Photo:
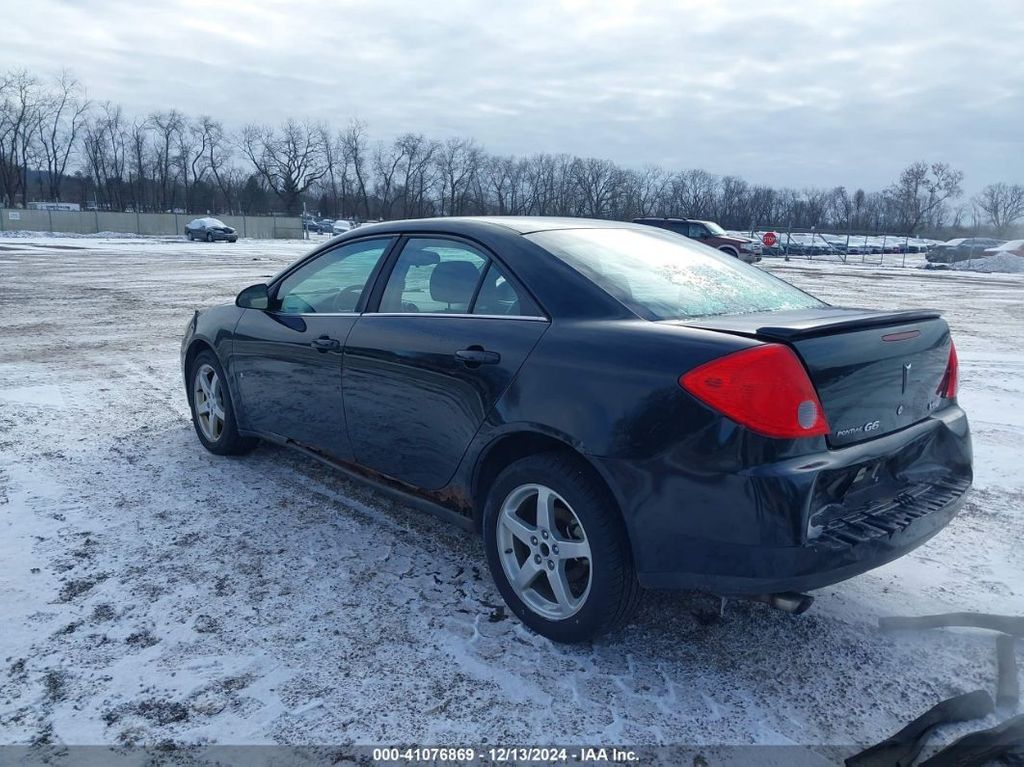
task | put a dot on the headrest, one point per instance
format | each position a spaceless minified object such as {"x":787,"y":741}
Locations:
{"x":452,"y":282}
{"x":420,"y":257}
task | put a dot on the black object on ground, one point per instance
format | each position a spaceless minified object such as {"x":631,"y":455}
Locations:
{"x":1008,"y":685}
{"x":978,"y":748}
{"x":1007,"y":624}
{"x":901,"y":749}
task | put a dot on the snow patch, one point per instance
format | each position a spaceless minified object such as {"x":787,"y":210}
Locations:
{"x":46,"y":395}
{"x":1001,"y":262}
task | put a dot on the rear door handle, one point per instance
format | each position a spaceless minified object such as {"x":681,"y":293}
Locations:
{"x":475,"y":356}
{"x":325,"y":344}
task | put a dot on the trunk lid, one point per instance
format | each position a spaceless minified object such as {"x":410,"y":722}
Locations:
{"x":875,"y":372}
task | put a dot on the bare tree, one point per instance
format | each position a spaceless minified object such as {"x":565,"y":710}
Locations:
{"x":645,"y":191}
{"x":1002,"y":204}
{"x":499,"y":175}
{"x":336,"y":177}
{"x":167,"y":126}
{"x":290,"y":160}
{"x":416,"y":165}
{"x":386,"y":163}
{"x":63,"y":112}
{"x":218,"y":160}
{"x":139,"y":162}
{"x":598,"y":184}
{"x":922,"y":190}
{"x":457,"y":162}
{"x":105,"y":143}
{"x":354,"y":146}
{"x":21,"y":112}
{"x":191,"y":158}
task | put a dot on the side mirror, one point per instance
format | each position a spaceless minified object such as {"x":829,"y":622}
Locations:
{"x":254,"y":297}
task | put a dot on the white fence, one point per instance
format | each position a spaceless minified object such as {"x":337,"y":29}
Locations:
{"x":95,"y":221}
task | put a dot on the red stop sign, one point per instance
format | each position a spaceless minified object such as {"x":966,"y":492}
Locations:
{"x":769,"y":238}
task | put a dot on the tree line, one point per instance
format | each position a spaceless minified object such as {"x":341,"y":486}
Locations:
{"x":58,"y":145}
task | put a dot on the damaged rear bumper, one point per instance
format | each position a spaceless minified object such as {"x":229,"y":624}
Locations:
{"x":846,"y":511}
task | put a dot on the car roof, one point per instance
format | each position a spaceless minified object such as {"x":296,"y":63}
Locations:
{"x":668,"y":218}
{"x":517,"y":224}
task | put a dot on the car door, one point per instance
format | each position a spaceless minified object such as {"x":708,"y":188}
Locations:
{"x":287,"y":360}
{"x":420,"y":374}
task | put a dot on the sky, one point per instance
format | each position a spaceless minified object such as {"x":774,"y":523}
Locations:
{"x":816,"y":93}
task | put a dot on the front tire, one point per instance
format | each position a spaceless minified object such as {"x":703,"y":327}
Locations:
{"x":558,"y":550}
{"x":213,"y":414}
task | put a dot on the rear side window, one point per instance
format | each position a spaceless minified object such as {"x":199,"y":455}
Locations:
{"x":434,"y":276}
{"x":441,"y":276}
{"x":498,"y":297}
{"x":661,"y":277}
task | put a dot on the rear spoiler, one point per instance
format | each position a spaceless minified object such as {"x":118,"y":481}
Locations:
{"x":840,"y":325}
{"x":795,"y":325}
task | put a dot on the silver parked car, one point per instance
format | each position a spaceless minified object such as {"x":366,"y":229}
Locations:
{"x":209,"y":229}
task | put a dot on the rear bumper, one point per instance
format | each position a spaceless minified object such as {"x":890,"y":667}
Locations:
{"x":803,"y":523}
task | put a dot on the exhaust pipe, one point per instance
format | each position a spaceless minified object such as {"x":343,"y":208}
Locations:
{"x":790,"y":602}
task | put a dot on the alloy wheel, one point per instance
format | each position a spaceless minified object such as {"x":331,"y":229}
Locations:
{"x":208,"y":402}
{"x":544,"y":551}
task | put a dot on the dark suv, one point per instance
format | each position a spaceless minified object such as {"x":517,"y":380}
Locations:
{"x":709,"y":233}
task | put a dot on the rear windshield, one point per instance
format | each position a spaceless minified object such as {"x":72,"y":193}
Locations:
{"x":661,"y":276}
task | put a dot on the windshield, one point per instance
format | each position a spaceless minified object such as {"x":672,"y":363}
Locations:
{"x":663,"y":277}
{"x":714,"y":228}
{"x":214,"y":222}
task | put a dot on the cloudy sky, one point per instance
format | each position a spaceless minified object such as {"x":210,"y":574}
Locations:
{"x":821,"y":92}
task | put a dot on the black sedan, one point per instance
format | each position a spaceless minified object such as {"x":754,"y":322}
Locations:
{"x":209,"y":229}
{"x":961,"y":249}
{"x":611,"y":406}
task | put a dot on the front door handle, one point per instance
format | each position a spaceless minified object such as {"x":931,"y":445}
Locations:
{"x":325,"y":344}
{"x":475,"y":356}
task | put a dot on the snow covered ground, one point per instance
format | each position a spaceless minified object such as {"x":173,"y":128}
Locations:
{"x":151,"y":592}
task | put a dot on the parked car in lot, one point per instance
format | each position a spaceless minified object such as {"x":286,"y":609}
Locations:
{"x":1014,"y":247}
{"x":708,"y":233}
{"x":960,"y":249}
{"x":317,"y":226}
{"x":209,"y":229}
{"x":611,"y":406}
{"x":340,"y":226}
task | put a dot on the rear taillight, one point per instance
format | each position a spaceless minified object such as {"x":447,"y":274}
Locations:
{"x":765,"y":389}
{"x":950,"y":379}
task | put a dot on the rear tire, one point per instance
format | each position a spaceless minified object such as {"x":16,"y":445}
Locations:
{"x":213,"y":413}
{"x":209,"y":236}
{"x":189,"y":236}
{"x":568,"y":574}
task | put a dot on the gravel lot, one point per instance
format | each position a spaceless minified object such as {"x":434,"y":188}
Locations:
{"x":152,"y":592}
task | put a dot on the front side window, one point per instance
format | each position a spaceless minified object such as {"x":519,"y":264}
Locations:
{"x":333,"y":282}
{"x":661,"y":277}
{"x":434,"y":276}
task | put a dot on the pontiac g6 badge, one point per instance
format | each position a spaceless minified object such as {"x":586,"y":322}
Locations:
{"x":865,"y":428}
